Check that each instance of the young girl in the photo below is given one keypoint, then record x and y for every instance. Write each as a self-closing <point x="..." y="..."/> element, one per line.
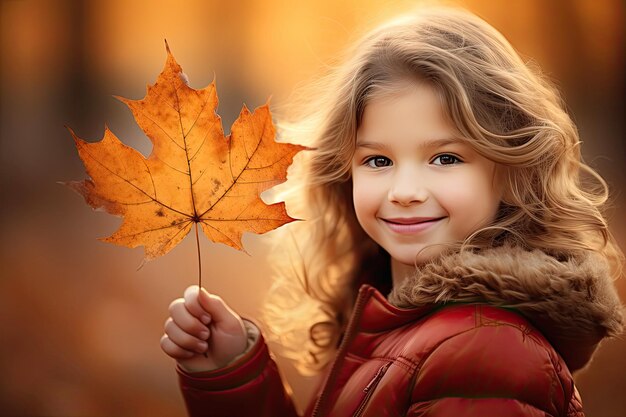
<point x="445" y="173"/>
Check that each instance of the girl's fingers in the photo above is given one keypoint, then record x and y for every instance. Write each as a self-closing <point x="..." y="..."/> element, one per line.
<point x="173" y="350"/>
<point x="193" y="305"/>
<point x="186" y="320"/>
<point x="183" y="339"/>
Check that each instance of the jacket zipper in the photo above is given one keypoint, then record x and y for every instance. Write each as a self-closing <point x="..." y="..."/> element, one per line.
<point x="347" y="338"/>
<point x="369" y="389"/>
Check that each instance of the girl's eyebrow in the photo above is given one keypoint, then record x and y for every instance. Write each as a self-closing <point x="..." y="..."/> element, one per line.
<point x="429" y="144"/>
<point x="373" y="145"/>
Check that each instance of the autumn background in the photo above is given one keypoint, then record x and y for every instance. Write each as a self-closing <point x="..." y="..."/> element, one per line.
<point x="79" y="324"/>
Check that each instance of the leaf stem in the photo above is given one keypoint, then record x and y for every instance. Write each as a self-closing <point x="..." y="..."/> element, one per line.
<point x="199" y="268"/>
<point x="199" y="258"/>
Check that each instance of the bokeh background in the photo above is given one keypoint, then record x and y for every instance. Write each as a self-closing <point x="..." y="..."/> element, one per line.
<point x="79" y="324"/>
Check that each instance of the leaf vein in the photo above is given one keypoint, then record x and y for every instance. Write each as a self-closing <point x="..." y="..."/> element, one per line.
<point x="156" y="229"/>
<point x="240" y="173"/>
<point x="221" y="233"/>
<point x="133" y="185"/>
<point x="163" y="130"/>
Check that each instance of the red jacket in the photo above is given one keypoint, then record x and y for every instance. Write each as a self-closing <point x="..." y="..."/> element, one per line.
<point x="453" y="357"/>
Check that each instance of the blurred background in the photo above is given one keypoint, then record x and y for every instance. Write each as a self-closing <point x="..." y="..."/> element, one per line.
<point x="79" y="324"/>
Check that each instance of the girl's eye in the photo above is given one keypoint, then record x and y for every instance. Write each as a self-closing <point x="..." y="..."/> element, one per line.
<point x="378" y="162"/>
<point x="446" y="159"/>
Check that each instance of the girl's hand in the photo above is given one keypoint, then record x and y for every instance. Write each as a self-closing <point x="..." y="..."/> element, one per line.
<point x="202" y="332"/>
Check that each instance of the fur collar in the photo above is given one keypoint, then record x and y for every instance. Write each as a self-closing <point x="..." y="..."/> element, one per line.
<point x="573" y="303"/>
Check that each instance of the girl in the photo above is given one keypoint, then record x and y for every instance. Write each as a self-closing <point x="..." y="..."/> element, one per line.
<point x="445" y="173"/>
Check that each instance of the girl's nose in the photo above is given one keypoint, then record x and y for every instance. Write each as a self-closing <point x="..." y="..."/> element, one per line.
<point x="407" y="189"/>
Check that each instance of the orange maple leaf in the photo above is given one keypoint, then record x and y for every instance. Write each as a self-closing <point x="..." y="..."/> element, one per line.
<point x="194" y="174"/>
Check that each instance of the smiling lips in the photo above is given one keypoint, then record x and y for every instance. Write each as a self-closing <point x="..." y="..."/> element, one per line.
<point x="409" y="225"/>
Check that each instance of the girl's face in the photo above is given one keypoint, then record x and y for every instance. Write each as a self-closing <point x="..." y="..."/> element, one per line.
<point x="414" y="185"/>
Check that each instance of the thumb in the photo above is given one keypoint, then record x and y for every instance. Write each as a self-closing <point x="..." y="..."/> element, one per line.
<point x="213" y="304"/>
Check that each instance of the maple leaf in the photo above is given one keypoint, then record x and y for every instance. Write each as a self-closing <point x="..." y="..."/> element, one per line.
<point x="194" y="174"/>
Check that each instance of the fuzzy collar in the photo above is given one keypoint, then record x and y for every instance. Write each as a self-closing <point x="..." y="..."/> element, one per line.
<point x="573" y="303"/>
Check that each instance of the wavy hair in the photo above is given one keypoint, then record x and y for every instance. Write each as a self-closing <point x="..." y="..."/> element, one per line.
<point x="505" y="109"/>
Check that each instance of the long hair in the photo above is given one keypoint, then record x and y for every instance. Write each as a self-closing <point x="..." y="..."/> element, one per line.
<point x="505" y="109"/>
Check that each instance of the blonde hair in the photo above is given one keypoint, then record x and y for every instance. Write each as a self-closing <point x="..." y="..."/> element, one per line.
<point x="505" y="108"/>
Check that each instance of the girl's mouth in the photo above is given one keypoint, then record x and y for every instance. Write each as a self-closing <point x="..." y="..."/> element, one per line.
<point x="410" y="225"/>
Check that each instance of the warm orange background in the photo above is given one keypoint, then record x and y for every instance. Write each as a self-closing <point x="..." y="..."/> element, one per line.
<point x="79" y="326"/>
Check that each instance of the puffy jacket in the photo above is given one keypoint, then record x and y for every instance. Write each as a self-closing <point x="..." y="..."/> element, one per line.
<point x="462" y="338"/>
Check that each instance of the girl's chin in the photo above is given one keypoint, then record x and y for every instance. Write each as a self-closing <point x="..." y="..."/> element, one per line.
<point x="412" y="260"/>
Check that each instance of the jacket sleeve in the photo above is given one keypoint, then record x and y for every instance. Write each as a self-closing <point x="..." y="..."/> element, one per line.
<point x="249" y="386"/>
<point x="497" y="369"/>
